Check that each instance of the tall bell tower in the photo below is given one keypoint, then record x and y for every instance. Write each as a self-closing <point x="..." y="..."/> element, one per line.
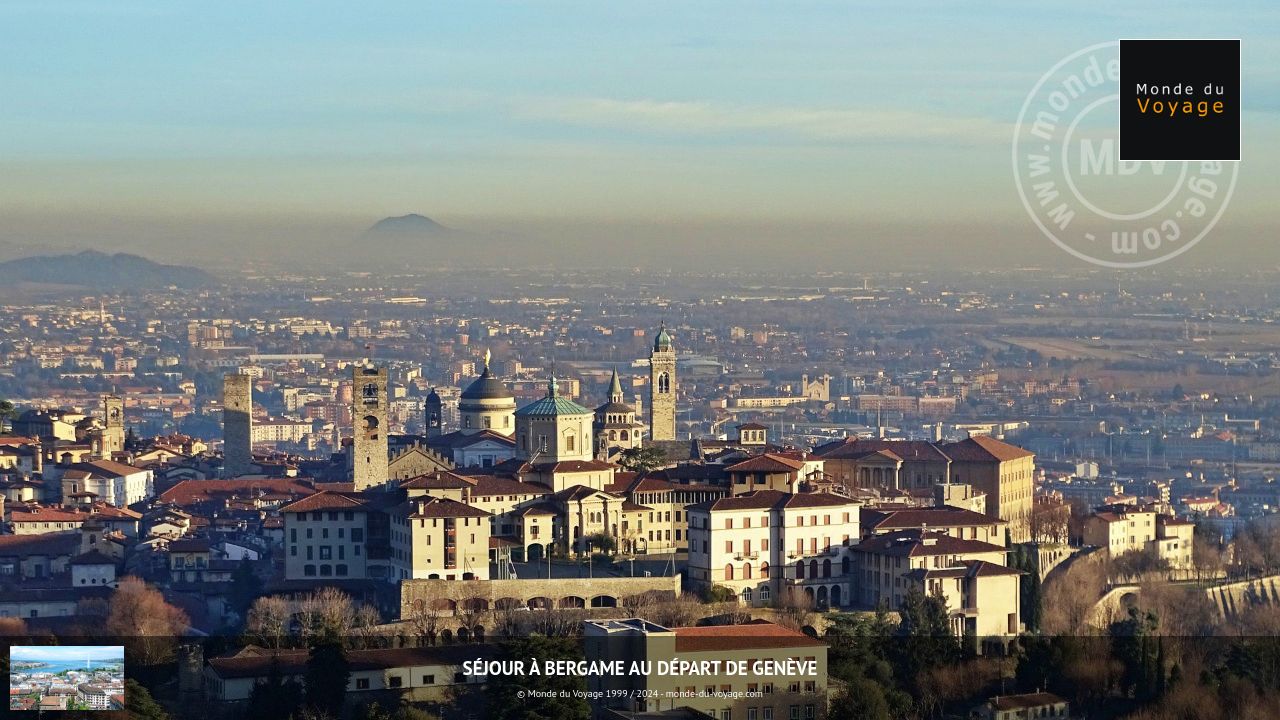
<point x="113" y="425"/>
<point x="369" y="446"/>
<point x="662" y="387"/>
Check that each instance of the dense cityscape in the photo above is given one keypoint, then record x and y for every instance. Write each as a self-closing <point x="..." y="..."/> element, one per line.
<point x="943" y="491"/>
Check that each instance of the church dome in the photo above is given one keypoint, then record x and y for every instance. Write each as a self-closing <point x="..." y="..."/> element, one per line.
<point x="486" y="387"/>
<point x="552" y="405"/>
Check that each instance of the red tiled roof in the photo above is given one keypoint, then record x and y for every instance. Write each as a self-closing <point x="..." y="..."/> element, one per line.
<point x="893" y="519"/>
<point x="768" y="499"/>
<point x="105" y="468"/>
<point x="439" y="480"/>
<point x="982" y="448"/>
<point x="918" y="543"/>
<point x="324" y="501"/>
<point x="767" y="463"/>
<point x="444" y="508"/>
<point x="191" y="492"/>
<point x="483" y="485"/>
<point x="758" y="634"/>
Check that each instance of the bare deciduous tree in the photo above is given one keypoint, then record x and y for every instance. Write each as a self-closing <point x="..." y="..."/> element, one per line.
<point x="140" y="612"/>
<point x="269" y="619"/>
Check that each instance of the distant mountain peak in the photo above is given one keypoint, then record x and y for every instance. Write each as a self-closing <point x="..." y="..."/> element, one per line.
<point x="91" y="268"/>
<point x="408" y="223"/>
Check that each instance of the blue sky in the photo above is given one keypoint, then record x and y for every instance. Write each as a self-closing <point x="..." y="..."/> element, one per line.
<point x="67" y="653"/>
<point x="484" y="114"/>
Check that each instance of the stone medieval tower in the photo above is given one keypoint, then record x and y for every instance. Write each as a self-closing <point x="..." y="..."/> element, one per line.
<point x="369" y="454"/>
<point x="662" y="388"/>
<point x="237" y="425"/>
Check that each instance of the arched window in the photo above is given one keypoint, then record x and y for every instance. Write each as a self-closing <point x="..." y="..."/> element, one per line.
<point x="728" y="572"/>
<point x="813" y="568"/>
<point x="826" y="568"/>
<point x="764" y="570"/>
<point x="844" y="565"/>
<point x="370" y="391"/>
<point x="746" y="571"/>
<point x="664" y="383"/>
<point x="799" y="569"/>
<point x="625" y="435"/>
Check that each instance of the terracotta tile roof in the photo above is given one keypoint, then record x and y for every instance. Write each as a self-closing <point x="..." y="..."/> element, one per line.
<point x="770" y="499"/>
<point x="439" y="480"/>
<point x="324" y="501"/>
<point x="922" y="543"/>
<point x="758" y="634"/>
<point x="853" y="448"/>
<point x="444" y="508"/>
<point x="191" y="492"/>
<point x="895" y="519"/>
<point x="257" y="662"/>
<point x="486" y="485"/>
<point x="93" y="557"/>
<point x="982" y="448"/>
<point x="571" y="466"/>
<point x="46" y="514"/>
<point x="51" y="544"/>
<point x="767" y="463"/>
<point x="105" y="468"/>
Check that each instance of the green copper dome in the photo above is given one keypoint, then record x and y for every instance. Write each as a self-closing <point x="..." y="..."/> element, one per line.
<point x="663" y="340"/>
<point x="552" y="405"/>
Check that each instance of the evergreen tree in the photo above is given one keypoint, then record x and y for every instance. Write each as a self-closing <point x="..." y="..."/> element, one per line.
<point x="925" y="639"/>
<point x="327" y="675"/>
<point x="508" y="702"/>
<point x="274" y="698"/>
<point x="246" y="586"/>
<point x="139" y="704"/>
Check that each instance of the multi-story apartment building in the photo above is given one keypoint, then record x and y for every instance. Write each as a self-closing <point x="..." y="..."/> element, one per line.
<point x="982" y="597"/>
<point x="326" y="536"/>
<point x="437" y="538"/>
<point x="1002" y="472"/>
<point x="885" y="561"/>
<point x="765" y="543"/>
<point x="1124" y="529"/>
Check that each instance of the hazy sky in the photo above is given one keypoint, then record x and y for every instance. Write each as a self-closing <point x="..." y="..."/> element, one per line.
<point x="128" y="120"/>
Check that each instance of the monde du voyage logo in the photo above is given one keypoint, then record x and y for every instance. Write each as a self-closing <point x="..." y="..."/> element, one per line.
<point x="1124" y="152"/>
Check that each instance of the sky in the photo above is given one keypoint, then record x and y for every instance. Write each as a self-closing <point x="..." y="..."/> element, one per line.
<point x="65" y="653"/>
<point x="163" y="125"/>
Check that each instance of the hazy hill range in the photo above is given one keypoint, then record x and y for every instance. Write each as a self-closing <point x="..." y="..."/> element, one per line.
<point x="94" y="269"/>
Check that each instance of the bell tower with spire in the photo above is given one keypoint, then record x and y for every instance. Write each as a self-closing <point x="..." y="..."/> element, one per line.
<point x="662" y="387"/>
<point x="615" y="423"/>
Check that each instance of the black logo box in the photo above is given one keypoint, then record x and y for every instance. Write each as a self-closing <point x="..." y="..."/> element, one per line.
<point x="1185" y="65"/>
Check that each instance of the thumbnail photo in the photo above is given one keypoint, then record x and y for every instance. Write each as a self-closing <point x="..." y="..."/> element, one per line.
<point x="66" y="677"/>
